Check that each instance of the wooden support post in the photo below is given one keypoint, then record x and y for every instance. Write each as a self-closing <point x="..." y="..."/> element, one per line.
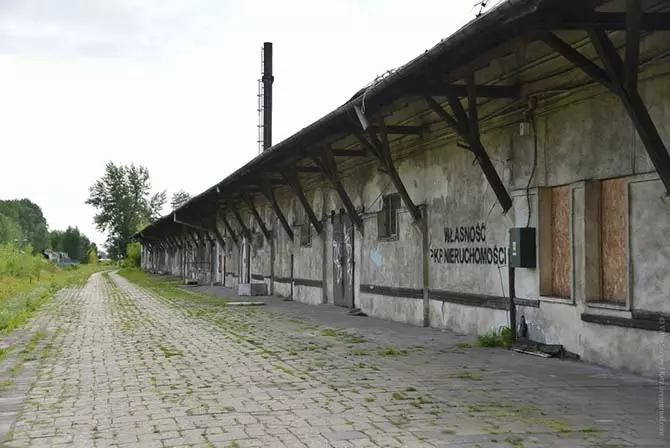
<point x="217" y="234"/>
<point x="614" y="78"/>
<point x="326" y="162"/>
<point x="252" y="207"/>
<point x="229" y="229"/>
<point x="291" y="176"/>
<point x="387" y="163"/>
<point x="268" y="192"/>
<point x="633" y="19"/>
<point x="243" y="227"/>
<point x="195" y="241"/>
<point x="467" y="126"/>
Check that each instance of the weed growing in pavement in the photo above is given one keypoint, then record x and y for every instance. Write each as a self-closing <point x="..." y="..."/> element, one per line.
<point x="342" y="335"/>
<point x="466" y="375"/>
<point x="168" y="353"/>
<point x="284" y="369"/>
<point x="495" y="339"/>
<point x="392" y="351"/>
<point x="399" y="396"/>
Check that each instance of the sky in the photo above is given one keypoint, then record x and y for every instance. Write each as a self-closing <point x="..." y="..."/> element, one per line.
<point x="172" y="84"/>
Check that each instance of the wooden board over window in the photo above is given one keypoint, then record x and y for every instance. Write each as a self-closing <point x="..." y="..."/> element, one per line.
<point x="561" y="259"/>
<point x="613" y="239"/>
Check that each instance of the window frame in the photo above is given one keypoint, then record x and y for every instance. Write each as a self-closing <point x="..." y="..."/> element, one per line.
<point x="305" y="234"/>
<point x="545" y="249"/>
<point x="388" y="214"/>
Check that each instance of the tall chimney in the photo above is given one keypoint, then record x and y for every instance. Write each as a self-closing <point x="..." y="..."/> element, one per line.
<point x="268" y="79"/>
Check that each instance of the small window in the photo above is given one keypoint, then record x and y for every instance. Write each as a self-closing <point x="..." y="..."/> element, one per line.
<point x="306" y="234"/>
<point x="387" y="217"/>
<point x="258" y="240"/>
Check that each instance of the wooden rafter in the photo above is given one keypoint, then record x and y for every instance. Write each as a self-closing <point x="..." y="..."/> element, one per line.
<point x="582" y="19"/>
<point x="483" y="91"/>
<point x="402" y="130"/>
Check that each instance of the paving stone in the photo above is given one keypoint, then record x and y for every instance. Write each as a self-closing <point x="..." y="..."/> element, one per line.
<point x="127" y="367"/>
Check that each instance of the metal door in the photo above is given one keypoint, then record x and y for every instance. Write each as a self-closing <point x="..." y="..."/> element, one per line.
<point x="343" y="261"/>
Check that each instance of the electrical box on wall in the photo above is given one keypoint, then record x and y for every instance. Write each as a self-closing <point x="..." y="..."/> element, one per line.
<point x="522" y="247"/>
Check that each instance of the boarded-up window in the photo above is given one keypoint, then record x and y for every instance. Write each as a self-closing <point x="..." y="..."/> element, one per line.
<point x="387" y="217"/>
<point x="561" y="260"/>
<point x="555" y="242"/>
<point x="613" y="209"/>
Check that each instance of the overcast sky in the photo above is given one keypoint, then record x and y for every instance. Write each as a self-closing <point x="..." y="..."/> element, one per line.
<point x="172" y="84"/>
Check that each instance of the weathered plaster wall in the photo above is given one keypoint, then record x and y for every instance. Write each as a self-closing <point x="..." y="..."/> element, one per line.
<point x="590" y="139"/>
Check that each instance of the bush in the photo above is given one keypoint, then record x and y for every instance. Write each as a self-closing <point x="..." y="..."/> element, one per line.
<point x="20" y="263"/>
<point x="133" y="256"/>
<point x="495" y="339"/>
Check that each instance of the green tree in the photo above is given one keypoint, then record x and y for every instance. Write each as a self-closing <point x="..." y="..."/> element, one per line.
<point x="124" y="204"/>
<point x="179" y="198"/>
<point x="10" y="231"/>
<point x="29" y="218"/>
<point x="92" y="256"/>
<point x="56" y="240"/>
<point x="133" y="257"/>
<point x="75" y="244"/>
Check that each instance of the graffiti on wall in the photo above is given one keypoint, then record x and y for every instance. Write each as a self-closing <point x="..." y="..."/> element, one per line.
<point x="471" y="247"/>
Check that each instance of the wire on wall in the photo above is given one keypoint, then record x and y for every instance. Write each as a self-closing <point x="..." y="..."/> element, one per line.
<point x="533" y="129"/>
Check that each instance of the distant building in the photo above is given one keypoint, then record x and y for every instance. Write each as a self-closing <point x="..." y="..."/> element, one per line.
<point x="60" y="258"/>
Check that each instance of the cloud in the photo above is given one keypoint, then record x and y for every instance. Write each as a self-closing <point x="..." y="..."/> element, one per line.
<point x="102" y="28"/>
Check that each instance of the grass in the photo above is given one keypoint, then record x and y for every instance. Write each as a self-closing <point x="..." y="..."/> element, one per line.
<point x="342" y="335"/>
<point x="170" y="289"/>
<point x="284" y="369"/>
<point x="515" y="441"/>
<point x="169" y="353"/>
<point x="392" y="351"/>
<point x="399" y="396"/>
<point x="21" y="296"/>
<point x="495" y="339"/>
<point x="466" y="375"/>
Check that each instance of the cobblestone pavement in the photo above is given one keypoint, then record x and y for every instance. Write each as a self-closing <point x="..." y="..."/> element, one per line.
<point x="118" y="365"/>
